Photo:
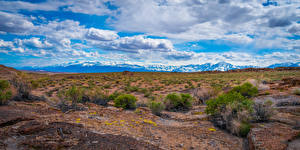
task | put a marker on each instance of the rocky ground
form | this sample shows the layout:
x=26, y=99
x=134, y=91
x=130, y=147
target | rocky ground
x=39, y=126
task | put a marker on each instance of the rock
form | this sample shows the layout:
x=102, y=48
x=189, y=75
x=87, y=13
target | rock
x=30, y=127
x=271, y=136
x=263, y=87
x=10, y=116
x=291, y=81
x=294, y=145
x=279, y=100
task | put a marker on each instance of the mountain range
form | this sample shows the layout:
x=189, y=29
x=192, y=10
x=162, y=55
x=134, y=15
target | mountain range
x=97, y=67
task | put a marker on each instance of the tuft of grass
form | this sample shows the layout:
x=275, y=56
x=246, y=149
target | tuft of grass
x=5, y=93
x=156, y=107
x=244, y=129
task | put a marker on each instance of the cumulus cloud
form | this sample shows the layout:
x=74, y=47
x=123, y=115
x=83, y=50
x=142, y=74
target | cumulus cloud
x=33, y=42
x=14, y=23
x=295, y=29
x=101, y=35
x=232, y=20
x=279, y=22
x=94, y=7
x=6, y=44
x=179, y=55
x=137, y=43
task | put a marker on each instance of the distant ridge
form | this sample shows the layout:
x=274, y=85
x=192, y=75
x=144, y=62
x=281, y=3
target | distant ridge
x=97, y=67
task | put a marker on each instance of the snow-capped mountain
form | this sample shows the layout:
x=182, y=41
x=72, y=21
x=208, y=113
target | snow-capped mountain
x=285, y=65
x=94, y=67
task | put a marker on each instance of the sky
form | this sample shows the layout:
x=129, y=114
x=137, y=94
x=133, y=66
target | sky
x=144, y=32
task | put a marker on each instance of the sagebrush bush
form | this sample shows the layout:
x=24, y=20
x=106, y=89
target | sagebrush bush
x=23, y=89
x=234, y=99
x=114, y=95
x=263, y=111
x=95, y=96
x=5, y=93
x=233, y=110
x=178, y=102
x=126, y=101
x=247, y=90
x=156, y=107
x=74, y=94
x=202, y=95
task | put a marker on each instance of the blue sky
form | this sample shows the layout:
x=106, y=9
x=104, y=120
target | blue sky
x=143, y=32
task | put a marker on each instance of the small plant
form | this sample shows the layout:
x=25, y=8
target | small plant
x=23, y=89
x=156, y=107
x=131, y=88
x=263, y=111
x=244, y=129
x=107, y=86
x=95, y=96
x=177, y=102
x=247, y=90
x=5, y=93
x=297, y=91
x=114, y=95
x=35, y=84
x=125, y=101
x=74, y=94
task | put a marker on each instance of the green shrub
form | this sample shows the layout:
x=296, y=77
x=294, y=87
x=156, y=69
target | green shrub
x=35, y=84
x=156, y=107
x=297, y=91
x=233, y=99
x=247, y=90
x=114, y=95
x=74, y=94
x=176, y=102
x=107, y=86
x=131, y=88
x=244, y=129
x=233, y=110
x=23, y=89
x=5, y=93
x=95, y=96
x=125, y=101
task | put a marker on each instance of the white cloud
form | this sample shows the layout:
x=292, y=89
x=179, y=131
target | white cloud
x=6, y=44
x=22, y=5
x=14, y=23
x=135, y=44
x=238, y=21
x=93, y=7
x=33, y=42
x=101, y=35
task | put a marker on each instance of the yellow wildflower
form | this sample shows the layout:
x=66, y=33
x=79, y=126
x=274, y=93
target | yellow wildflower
x=212, y=129
x=150, y=122
x=77, y=120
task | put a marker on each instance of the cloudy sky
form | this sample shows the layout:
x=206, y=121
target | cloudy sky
x=170, y=32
